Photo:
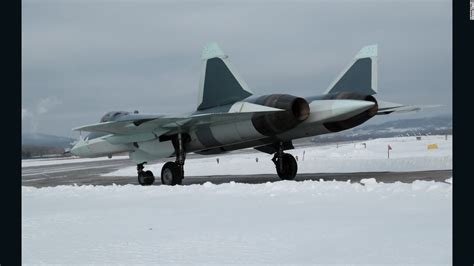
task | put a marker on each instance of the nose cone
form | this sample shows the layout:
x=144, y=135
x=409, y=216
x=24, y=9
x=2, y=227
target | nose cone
x=350, y=107
x=80, y=149
x=75, y=150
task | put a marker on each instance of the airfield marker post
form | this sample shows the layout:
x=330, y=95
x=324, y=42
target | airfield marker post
x=388, y=151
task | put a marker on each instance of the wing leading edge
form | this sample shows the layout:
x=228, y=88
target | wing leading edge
x=141, y=128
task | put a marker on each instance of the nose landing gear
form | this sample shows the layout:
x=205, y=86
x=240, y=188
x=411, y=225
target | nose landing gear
x=145, y=178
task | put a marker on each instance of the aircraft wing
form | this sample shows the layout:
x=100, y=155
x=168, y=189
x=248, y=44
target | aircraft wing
x=140, y=127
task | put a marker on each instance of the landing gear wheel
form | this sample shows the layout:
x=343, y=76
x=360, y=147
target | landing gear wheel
x=146, y=178
x=288, y=168
x=171, y=174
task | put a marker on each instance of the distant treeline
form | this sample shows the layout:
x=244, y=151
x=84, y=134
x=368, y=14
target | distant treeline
x=32, y=151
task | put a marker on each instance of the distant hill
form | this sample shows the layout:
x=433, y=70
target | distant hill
x=435, y=125
x=35, y=145
x=39, y=139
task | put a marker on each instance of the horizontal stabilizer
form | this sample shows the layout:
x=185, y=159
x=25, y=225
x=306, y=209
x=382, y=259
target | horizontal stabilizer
x=385, y=108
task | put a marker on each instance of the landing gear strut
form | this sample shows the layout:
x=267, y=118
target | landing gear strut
x=172, y=173
x=285, y=164
x=145, y=178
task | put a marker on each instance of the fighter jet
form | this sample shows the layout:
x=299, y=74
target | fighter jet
x=229, y=116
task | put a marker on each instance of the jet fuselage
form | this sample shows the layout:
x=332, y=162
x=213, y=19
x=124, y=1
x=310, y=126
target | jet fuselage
x=317, y=115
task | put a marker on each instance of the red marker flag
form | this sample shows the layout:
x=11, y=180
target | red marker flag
x=388, y=150
x=389, y=147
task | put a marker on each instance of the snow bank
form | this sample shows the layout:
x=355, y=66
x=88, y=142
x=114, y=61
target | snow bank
x=281, y=222
x=407, y=154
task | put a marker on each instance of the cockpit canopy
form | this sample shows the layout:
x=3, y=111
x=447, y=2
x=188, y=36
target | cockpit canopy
x=112, y=116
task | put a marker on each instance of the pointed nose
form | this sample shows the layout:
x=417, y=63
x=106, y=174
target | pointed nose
x=75, y=150
x=350, y=107
x=79, y=149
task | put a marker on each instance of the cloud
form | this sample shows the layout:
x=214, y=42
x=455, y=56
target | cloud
x=31, y=119
x=145, y=55
x=44, y=105
x=25, y=113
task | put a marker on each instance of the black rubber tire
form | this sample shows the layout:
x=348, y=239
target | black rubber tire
x=290, y=167
x=141, y=178
x=146, y=178
x=171, y=174
x=149, y=178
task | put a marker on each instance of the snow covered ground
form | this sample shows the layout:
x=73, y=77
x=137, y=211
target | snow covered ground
x=407, y=154
x=283, y=222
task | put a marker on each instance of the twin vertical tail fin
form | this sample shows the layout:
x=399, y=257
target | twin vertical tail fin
x=220, y=83
x=360, y=76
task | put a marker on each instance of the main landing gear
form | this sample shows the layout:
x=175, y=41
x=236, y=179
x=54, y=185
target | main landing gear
x=172, y=173
x=285, y=164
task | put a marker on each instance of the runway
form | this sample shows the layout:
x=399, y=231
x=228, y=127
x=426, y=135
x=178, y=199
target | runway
x=89, y=173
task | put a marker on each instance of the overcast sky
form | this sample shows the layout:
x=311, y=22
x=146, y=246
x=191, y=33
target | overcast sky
x=81, y=59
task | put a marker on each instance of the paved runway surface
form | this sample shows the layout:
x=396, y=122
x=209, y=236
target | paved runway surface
x=89, y=173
